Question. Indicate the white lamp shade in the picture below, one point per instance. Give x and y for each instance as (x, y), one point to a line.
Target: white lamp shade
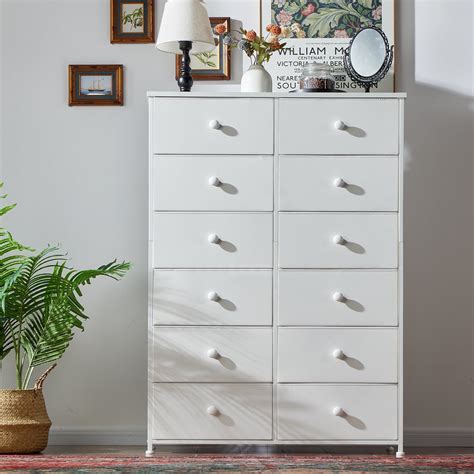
(185, 20)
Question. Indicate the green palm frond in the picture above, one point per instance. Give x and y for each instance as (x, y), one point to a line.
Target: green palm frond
(39, 302)
(58, 310)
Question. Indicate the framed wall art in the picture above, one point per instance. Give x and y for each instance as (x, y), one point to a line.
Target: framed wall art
(214, 65)
(320, 31)
(96, 84)
(132, 21)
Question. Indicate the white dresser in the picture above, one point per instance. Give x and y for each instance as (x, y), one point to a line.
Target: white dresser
(275, 282)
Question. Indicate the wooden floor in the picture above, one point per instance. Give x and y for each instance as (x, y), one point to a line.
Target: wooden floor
(140, 450)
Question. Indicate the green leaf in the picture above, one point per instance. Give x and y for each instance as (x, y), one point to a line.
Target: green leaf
(366, 3)
(6, 209)
(321, 22)
(51, 308)
(206, 58)
(135, 18)
(293, 8)
(350, 9)
(40, 305)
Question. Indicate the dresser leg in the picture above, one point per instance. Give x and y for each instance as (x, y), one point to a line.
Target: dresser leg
(400, 454)
(150, 451)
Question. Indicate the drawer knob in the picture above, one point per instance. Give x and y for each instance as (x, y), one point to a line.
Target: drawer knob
(213, 354)
(338, 239)
(214, 181)
(213, 296)
(215, 125)
(338, 354)
(339, 125)
(340, 183)
(213, 239)
(338, 296)
(212, 410)
(338, 411)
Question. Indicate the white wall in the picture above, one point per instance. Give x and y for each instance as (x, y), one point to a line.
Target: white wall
(80, 177)
(436, 71)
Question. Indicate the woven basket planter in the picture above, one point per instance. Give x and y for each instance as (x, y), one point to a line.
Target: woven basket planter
(24, 421)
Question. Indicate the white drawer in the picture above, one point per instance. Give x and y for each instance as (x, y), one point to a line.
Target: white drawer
(305, 412)
(219, 354)
(181, 240)
(185, 183)
(371, 127)
(307, 240)
(183, 126)
(212, 297)
(310, 183)
(334, 298)
(244, 411)
(337, 355)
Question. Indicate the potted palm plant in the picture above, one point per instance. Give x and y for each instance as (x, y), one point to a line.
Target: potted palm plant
(39, 313)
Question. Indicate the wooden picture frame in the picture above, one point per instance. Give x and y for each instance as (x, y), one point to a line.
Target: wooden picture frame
(95, 84)
(132, 21)
(222, 71)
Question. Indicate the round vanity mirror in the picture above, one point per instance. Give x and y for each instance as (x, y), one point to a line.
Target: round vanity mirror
(368, 52)
(368, 57)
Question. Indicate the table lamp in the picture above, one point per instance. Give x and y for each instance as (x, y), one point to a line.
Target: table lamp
(184, 26)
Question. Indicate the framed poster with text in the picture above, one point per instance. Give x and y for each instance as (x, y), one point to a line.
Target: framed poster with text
(320, 31)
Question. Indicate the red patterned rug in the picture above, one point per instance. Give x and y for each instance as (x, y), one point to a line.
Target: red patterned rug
(198, 463)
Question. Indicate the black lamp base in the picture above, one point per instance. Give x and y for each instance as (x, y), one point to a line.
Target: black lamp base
(185, 80)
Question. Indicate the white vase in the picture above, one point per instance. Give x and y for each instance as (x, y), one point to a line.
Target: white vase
(256, 79)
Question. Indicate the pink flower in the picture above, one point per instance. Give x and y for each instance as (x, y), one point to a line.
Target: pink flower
(275, 30)
(377, 13)
(284, 18)
(340, 34)
(251, 35)
(310, 8)
(220, 29)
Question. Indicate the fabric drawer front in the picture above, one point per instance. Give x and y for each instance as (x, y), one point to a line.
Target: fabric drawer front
(366, 127)
(310, 183)
(218, 354)
(310, 412)
(338, 298)
(213, 183)
(212, 297)
(337, 355)
(199, 240)
(192, 126)
(317, 240)
(212, 411)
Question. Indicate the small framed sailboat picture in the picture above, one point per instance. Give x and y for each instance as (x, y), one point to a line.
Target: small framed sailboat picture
(96, 84)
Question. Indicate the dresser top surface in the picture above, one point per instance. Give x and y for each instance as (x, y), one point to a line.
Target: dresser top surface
(280, 95)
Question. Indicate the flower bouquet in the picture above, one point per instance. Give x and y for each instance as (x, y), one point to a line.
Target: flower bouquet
(258, 48)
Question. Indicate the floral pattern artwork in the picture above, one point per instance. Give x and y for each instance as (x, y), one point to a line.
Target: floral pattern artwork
(325, 18)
